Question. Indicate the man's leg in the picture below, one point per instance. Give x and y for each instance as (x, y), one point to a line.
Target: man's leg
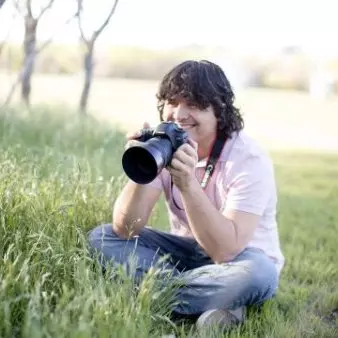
(251, 278)
(147, 249)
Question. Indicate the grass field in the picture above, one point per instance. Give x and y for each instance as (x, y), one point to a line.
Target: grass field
(59, 177)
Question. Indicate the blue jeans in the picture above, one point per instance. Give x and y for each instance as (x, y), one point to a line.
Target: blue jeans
(249, 279)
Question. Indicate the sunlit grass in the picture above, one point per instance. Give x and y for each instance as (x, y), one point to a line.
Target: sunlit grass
(59, 178)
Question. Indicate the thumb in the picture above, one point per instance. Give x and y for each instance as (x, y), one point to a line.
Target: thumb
(193, 143)
(136, 134)
(146, 125)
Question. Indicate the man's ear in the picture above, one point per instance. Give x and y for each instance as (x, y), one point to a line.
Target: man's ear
(160, 106)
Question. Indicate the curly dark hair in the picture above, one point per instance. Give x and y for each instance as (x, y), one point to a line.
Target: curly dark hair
(202, 83)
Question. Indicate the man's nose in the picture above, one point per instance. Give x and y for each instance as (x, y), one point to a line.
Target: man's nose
(180, 112)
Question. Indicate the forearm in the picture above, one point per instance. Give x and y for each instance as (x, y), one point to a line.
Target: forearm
(129, 213)
(214, 233)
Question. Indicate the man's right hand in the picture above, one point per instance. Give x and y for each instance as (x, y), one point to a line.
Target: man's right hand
(134, 135)
(135, 203)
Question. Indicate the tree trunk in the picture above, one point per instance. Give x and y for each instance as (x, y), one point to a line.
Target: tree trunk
(89, 67)
(29, 58)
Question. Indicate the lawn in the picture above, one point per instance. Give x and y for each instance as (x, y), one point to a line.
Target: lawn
(59, 176)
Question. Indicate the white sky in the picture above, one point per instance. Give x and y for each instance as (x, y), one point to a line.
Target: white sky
(259, 26)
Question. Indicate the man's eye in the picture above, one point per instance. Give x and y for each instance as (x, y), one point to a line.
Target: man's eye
(192, 106)
(172, 103)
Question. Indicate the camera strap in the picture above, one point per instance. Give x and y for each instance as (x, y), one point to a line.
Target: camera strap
(214, 155)
(213, 158)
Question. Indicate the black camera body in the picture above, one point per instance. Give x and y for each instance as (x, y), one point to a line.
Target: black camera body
(170, 130)
(144, 161)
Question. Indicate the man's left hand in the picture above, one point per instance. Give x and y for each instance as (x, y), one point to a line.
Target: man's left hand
(183, 164)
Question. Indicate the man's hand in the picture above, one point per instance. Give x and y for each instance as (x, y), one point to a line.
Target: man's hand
(182, 166)
(134, 135)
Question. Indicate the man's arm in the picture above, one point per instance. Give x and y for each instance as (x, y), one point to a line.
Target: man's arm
(222, 236)
(133, 207)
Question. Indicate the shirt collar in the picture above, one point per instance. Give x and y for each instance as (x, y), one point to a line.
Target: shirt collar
(224, 154)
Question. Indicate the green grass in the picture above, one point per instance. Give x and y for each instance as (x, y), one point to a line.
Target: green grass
(59, 176)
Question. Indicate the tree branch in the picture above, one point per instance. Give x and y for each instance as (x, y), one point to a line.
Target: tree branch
(105, 23)
(44, 9)
(2, 2)
(79, 21)
(29, 8)
(17, 7)
(96, 33)
(47, 42)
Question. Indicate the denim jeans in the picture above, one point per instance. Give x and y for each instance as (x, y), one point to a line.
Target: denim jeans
(249, 279)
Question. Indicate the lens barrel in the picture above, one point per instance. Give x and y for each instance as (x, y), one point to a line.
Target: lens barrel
(143, 162)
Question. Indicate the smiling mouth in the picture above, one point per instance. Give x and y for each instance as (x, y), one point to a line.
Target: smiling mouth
(187, 126)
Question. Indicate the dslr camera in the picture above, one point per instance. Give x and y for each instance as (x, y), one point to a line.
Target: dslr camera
(144, 161)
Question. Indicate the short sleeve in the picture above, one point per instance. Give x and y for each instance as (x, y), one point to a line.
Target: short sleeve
(251, 186)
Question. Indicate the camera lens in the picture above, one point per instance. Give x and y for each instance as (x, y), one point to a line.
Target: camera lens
(143, 162)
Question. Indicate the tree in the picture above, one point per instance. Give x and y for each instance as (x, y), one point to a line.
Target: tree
(30, 49)
(89, 43)
(29, 44)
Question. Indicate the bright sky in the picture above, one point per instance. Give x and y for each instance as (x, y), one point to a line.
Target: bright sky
(259, 26)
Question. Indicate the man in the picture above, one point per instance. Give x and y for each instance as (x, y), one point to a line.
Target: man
(221, 202)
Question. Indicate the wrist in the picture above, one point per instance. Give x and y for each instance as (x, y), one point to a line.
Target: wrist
(190, 187)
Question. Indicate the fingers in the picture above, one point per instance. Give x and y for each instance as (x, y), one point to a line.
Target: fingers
(146, 125)
(182, 165)
(184, 156)
(133, 135)
(136, 134)
(189, 150)
(174, 172)
(177, 165)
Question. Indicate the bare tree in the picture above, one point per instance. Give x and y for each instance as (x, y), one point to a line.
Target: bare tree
(89, 43)
(31, 50)
(29, 44)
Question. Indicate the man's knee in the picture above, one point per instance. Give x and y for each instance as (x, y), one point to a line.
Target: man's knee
(251, 279)
(99, 235)
(260, 276)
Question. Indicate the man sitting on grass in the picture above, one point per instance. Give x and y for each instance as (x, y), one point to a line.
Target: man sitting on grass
(224, 239)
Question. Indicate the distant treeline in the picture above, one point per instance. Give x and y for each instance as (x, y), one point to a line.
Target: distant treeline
(290, 69)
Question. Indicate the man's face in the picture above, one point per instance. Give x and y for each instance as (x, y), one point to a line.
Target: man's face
(201, 125)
